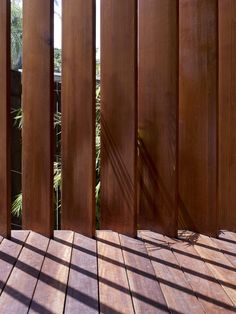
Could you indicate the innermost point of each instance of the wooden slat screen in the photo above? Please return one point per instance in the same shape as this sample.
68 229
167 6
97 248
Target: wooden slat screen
38 108
78 116
5 117
198 97
167 116
118 115
227 114
158 115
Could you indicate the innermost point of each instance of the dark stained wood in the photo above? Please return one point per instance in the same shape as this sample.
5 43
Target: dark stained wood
207 289
227 244
151 274
227 114
37 154
198 115
114 292
5 196
51 288
24 277
82 290
78 116
118 115
145 289
219 265
158 115
9 252
175 287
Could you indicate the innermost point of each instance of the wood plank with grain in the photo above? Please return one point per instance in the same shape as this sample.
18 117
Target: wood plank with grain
209 292
220 266
5 65
24 276
78 116
227 114
114 293
118 115
145 289
226 242
158 115
50 291
177 291
38 106
82 290
9 252
198 103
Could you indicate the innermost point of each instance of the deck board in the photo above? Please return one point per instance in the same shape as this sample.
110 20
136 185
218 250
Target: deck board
209 292
115 273
82 291
220 266
25 272
113 283
9 252
145 289
177 290
51 288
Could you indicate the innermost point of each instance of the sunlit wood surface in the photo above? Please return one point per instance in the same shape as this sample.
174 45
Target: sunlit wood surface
117 274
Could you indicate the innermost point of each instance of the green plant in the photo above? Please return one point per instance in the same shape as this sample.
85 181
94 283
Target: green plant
16 34
18 117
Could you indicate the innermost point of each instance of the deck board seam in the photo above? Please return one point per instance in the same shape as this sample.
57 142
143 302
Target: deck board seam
217 279
72 246
99 310
213 277
158 279
223 252
186 279
38 276
126 271
13 266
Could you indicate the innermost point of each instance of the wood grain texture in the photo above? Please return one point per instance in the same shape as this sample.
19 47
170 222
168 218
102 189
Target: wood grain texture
9 252
78 116
25 272
51 288
209 292
114 294
82 290
220 266
227 114
177 290
158 115
5 195
198 98
118 115
227 245
144 286
38 106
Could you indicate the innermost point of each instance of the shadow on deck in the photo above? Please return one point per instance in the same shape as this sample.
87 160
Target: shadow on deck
117 274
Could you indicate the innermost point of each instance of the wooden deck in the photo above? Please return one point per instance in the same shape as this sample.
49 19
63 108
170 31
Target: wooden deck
117 274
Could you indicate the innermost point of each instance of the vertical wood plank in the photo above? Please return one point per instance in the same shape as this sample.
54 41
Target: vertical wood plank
78 116
38 107
198 115
227 114
157 115
118 115
5 200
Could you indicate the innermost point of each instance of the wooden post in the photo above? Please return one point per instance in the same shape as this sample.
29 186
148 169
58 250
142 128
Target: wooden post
5 64
198 99
118 115
158 115
227 114
78 116
38 108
